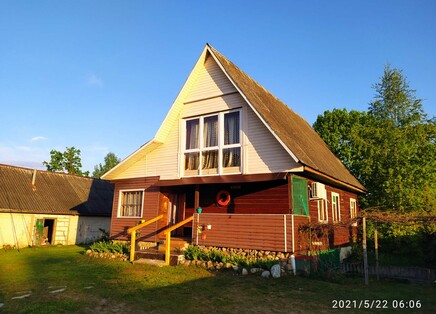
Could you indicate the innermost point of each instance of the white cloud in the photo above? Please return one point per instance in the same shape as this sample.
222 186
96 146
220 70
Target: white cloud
23 156
38 138
94 80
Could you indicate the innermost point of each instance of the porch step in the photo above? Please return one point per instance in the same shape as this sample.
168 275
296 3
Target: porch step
154 262
154 256
177 244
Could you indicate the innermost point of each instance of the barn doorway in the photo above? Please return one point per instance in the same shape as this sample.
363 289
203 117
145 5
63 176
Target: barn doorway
44 231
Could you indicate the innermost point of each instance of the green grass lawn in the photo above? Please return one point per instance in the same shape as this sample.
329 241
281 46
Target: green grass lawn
65 280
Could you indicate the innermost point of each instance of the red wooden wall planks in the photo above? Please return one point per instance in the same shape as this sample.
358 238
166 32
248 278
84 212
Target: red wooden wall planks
119 226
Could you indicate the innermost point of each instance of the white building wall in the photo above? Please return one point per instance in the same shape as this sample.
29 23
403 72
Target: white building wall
18 230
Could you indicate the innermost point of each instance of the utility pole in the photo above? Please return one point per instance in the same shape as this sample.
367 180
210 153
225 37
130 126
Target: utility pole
365 253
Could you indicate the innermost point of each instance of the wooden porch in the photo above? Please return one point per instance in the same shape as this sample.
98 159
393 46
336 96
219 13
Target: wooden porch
272 232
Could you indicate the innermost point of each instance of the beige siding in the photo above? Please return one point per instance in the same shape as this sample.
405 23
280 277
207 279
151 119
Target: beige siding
211 91
163 161
210 82
221 103
135 170
263 152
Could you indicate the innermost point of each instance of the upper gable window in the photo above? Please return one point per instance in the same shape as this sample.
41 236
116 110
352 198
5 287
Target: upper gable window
213 144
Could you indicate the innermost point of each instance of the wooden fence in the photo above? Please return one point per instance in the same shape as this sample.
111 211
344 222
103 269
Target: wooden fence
415 274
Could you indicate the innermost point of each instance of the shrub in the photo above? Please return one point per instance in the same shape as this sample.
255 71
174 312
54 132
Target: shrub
109 247
193 252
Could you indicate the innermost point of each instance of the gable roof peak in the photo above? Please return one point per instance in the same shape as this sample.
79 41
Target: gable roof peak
291 130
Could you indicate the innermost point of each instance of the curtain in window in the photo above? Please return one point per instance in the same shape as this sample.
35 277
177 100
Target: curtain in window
210 159
191 161
131 205
210 131
210 139
231 156
192 142
192 130
231 128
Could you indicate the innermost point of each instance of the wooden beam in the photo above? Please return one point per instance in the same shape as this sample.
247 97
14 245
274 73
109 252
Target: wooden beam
197 196
291 211
227 179
168 249
132 246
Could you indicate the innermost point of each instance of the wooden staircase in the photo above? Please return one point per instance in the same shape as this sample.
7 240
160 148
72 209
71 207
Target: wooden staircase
169 246
157 253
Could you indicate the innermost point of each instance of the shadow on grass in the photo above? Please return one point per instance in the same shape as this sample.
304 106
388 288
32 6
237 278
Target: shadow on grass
102 286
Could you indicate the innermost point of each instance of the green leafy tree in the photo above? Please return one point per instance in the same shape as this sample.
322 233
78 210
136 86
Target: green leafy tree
110 161
68 161
390 149
338 129
398 144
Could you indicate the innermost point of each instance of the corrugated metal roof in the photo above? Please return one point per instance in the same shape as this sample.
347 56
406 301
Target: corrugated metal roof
53 193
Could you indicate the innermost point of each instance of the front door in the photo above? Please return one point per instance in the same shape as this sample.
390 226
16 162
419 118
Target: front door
173 206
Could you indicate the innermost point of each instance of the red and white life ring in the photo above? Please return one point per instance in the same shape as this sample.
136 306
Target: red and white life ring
223 198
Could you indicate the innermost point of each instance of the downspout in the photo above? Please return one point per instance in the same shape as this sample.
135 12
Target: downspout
293 236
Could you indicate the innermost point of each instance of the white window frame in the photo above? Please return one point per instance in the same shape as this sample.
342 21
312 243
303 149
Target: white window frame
323 216
221 146
353 208
120 198
336 207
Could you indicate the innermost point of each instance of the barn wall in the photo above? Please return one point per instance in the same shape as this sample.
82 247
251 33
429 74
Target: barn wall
18 229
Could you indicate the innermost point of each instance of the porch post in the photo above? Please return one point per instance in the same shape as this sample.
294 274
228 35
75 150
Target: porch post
291 211
197 197
132 245
168 248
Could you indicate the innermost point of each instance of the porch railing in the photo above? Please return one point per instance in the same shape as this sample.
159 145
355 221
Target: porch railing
133 230
167 233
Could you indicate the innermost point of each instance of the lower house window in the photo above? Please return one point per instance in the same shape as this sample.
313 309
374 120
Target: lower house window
336 210
130 204
322 211
353 208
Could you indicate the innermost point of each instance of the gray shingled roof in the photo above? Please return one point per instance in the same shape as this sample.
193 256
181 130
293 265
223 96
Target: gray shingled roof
53 193
294 131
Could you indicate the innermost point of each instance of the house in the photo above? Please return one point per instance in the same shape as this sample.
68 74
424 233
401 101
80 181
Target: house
258 173
42 207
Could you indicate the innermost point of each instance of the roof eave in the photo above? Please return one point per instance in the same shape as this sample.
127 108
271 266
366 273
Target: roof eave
358 189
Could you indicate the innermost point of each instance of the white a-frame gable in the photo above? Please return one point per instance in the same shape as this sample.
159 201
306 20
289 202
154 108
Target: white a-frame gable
208 90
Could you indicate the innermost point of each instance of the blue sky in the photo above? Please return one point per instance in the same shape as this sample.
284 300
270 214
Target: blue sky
101 75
